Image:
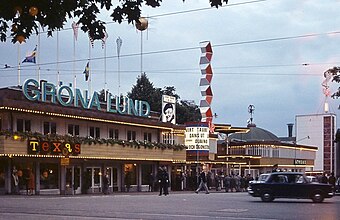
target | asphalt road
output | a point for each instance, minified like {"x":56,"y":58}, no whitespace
{"x":177,"y":205}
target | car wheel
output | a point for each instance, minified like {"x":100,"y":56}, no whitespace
{"x":267,"y":196}
{"x":317,"y":197}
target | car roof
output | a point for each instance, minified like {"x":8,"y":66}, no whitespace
{"x":285,"y":173}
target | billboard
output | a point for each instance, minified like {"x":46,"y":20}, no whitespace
{"x":197,"y":138}
{"x":169,"y":109}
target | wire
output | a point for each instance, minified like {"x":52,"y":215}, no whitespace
{"x":169,"y":14}
{"x":194,"y":48}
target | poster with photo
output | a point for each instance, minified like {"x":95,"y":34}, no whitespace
{"x":169,"y":109}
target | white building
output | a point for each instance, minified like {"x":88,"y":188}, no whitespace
{"x":318,"y":130}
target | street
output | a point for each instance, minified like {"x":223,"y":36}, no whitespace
{"x":177,"y":205}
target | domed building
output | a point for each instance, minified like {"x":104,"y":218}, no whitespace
{"x":260,"y":151}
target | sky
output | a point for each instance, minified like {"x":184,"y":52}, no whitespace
{"x":268,"y":53}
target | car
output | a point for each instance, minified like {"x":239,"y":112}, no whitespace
{"x":289,"y":185}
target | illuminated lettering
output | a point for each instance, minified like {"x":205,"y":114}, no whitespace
{"x":34,"y":145}
{"x":68,"y":147}
{"x":56,"y":147}
{"x":66,"y":96}
{"x":45,"y":146}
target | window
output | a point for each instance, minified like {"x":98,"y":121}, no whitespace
{"x":167,"y":138}
{"x":95,"y":132}
{"x":50,"y":128}
{"x":131,"y":135}
{"x":114,"y":133}
{"x":147,"y":136}
{"x":73,"y":130}
{"x":23,"y":125}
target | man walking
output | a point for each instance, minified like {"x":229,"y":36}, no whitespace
{"x":203,"y":183}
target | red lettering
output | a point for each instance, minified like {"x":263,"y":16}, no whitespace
{"x":56,"y":147}
{"x":77,"y":148}
{"x":45,"y":147}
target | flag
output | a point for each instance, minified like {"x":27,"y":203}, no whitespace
{"x":87,"y":71}
{"x":75,"y":27}
{"x":119,"y":42}
{"x":104,"y":39}
{"x":91,"y":40}
{"x":30,"y":58}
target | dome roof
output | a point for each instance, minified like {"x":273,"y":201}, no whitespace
{"x":255,"y":134}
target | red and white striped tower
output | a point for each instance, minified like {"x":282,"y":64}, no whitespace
{"x":205,"y":83}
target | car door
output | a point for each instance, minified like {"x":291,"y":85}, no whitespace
{"x":279,"y":185}
{"x":298,"y":186}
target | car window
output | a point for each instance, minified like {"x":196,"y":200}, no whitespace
{"x":280,"y":179}
{"x":300,"y":179}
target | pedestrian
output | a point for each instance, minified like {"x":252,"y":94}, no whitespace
{"x":15,"y":181}
{"x":163,"y":179}
{"x":106,"y":183}
{"x":30,"y":182}
{"x":332,"y":180}
{"x":232,"y":183}
{"x":324,"y":178}
{"x":127,"y":180}
{"x":151,"y":182}
{"x":227,"y":183}
{"x":203,"y":183}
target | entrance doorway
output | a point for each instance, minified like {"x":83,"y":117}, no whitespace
{"x":73,"y":180}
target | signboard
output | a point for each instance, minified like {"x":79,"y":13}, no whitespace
{"x":53,"y":148}
{"x":68,"y":96}
{"x":169,"y":109}
{"x":300,"y":162}
{"x":65,"y":161}
{"x":197,"y":138}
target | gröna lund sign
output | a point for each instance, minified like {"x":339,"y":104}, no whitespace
{"x":67,"y":96}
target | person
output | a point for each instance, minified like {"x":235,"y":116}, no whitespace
{"x":127,"y":180}
{"x":168,"y":111}
{"x":332,"y":180}
{"x":30,"y":182}
{"x":324,"y":178}
{"x":151,"y":182}
{"x":106,"y":183}
{"x":227,"y":180}
{"x":15,"y":181}
{"x":163,"y":179}
{"x":203,"y":183}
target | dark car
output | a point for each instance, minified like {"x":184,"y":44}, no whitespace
{"x":289,"y":185}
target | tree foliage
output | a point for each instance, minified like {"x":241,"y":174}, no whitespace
{"x":23,"y":17}
{"x":145,"y":90}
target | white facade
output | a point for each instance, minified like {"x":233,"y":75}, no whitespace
{"x":318,"y":130}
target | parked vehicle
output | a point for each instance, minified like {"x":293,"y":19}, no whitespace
{"x":289,"y":185}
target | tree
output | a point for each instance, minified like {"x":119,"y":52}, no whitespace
{"x":145,"y":90}
{"x":187,"y":112}
{"x":25,"y":16}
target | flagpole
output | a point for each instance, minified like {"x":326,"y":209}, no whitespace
{"x":74,"y":63}
{"x":119,"y":44}
{"x":38,"y":56}
{"x":58,"y":77}
{"x":19,"y":64}
{"x":89,"y":81}
{"x":105,"y":84}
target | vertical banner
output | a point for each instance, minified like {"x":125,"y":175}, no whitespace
{"x":169,"y":109}
{"x":205,"y":84}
